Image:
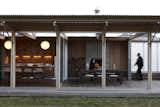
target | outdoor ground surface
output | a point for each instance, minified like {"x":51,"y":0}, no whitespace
{"x":77,"y":102}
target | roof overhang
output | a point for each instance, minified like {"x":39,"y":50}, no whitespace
{"x":96,"y":23}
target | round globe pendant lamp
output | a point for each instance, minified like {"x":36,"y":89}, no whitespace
{"x":8,"y":44}
{"x":45,"y":45}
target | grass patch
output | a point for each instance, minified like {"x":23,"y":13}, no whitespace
{"x":78,"y":102}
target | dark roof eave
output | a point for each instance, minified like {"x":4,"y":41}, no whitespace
{"x":79,"y":16}
{"x":80,"y":22}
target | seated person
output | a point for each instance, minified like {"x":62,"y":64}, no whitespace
{"x":94,"y":61}
{"x":97,"y":70}
{"x":97,"y":66}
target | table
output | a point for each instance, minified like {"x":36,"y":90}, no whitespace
{"x":110,"y":75}
{"x":34,"y":73}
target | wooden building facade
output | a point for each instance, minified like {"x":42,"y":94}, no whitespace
{"x":114,"y":54}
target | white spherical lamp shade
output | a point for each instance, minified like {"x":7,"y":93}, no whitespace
{"x":45,"y":45}
{"x":8,"y":44}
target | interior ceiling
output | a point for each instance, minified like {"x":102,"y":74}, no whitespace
{"x":82,"y":23}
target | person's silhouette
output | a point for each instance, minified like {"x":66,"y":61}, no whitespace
{"x":139,"y":64}
{"x":92,"y":63}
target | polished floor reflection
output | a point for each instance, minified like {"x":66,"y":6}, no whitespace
{"x":140,"y":84}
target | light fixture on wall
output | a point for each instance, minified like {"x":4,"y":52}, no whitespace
{"x":8,"y":44}
{"x":45,"y":45}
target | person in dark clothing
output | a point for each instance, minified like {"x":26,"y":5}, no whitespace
{"x":92,"y":67}
{"x":139,"y":64}
{"x":92,"y":63}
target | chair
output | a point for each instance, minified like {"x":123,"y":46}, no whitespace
{"x":114,"y":75}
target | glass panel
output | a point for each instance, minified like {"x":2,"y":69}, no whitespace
{"x":155,"y":65}
{"x":35,"y":61}
{"x":84,"y":58}
{"x":154,"y":57}
{"x":117,"y":62}
{"x":139,"y":47}
{"x":158,"y":57}
{"x":4,"y":65}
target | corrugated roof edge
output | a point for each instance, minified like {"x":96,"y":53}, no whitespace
{"x":103,"y":15}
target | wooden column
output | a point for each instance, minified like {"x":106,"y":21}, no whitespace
{"x":58,"y":60}
{"x":107,"y":55}
{"x":103,"y":61}
{"x":13,"y":62}
{"x":149,"y":84}
{"x":129,"y":61}
{"x":65,"y":59}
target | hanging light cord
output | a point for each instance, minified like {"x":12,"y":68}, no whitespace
{"x":4,"y":26}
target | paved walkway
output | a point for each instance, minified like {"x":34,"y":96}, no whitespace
{"x":89,"y":92}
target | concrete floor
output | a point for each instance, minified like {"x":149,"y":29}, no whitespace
{"x":127,"y":89}
{"x":111,"y":84}
{"x":138,"y":84}
{"x":74,"y":91}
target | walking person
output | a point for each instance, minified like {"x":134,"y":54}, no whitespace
{"x":139,"y":64}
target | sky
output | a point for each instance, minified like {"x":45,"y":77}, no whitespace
{"x":79,"y":7}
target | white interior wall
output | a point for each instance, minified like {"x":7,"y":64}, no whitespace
{"x":142,"y":48}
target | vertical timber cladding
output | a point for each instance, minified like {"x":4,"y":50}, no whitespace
{"x":76,"y":56}
{"x":1,"y":46}
{"x":118,"y":51}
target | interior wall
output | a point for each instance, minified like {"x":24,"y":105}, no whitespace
{"x":93,"y":49}
{"x":76,"y":56}
{"x":1,"y":56}
{"x":27,"y":46}
{"x":118,"y":51}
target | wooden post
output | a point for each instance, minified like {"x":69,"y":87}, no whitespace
{"x":58,"y":60}
{"x":103,"y":61}
{"x":107,"y":55}
{"x":149,"y":85}
{"x":65,"y":59}
{"x":129,"y":61}
{"x":13,"y":62}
